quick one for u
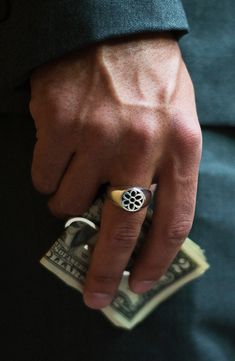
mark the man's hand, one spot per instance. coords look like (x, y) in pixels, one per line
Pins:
(123, 113)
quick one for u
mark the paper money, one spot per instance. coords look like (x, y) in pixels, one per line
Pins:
(69, 259)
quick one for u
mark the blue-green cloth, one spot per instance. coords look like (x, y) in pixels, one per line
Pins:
(38, 31)
(209, 52)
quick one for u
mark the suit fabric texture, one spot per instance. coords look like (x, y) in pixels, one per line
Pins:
(45, 320)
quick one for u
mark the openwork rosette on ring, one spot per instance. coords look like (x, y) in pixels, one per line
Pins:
(133, 199)
(130, 199)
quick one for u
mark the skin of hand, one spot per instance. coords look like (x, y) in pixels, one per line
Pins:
(121, 113)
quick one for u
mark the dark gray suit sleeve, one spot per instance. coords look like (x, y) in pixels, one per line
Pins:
(37, 31)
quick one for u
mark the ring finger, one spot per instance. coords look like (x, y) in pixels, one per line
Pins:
(119, 232)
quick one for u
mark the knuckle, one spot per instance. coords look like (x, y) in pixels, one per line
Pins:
(189, 140)
(177, 233)
(41, 185)
(125, 237)
(143, 135)
(185, 131)
(192, 138)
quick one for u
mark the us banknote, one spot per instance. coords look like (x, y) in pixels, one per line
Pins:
(69, 258)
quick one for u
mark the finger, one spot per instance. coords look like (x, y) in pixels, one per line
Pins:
(171, 223)
(117, 238)
(77, 190)
(50, 159)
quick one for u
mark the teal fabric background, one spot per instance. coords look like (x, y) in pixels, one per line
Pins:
(38, 31)
(209, 51)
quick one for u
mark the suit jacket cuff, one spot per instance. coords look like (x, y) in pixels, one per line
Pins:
(39, 31)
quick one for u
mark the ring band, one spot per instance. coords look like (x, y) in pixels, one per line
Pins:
(130, 199)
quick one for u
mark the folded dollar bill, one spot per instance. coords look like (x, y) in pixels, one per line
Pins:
(69, 257)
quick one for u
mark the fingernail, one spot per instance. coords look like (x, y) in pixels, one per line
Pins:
(96, 300)
(142, 286)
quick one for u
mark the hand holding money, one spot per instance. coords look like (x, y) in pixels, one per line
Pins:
(121, 113)
(69, 259)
